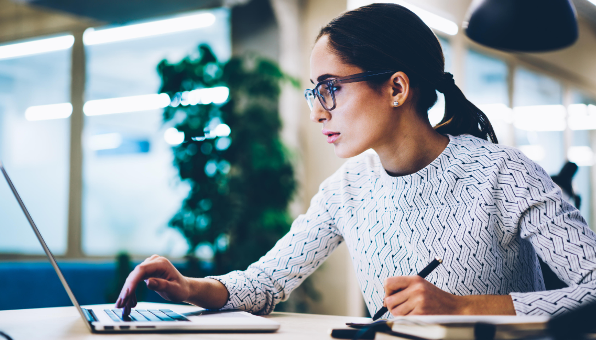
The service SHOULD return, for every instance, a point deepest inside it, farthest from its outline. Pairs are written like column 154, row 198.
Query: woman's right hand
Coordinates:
column 161, row 276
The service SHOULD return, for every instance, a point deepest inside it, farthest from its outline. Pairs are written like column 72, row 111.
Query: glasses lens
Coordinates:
column 326, row 96
column 310, row 98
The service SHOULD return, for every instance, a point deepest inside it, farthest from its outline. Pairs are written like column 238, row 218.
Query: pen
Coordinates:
column 423, row 274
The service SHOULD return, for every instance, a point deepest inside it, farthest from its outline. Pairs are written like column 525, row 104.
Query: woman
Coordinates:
column 446, row 191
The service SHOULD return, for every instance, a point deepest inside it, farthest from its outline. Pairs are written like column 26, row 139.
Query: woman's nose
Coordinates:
column 318, row 114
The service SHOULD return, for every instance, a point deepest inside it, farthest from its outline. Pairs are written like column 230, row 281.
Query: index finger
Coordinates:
column 148, row 268
column 396, row 283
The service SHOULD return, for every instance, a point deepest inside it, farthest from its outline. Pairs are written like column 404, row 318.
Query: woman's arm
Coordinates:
column 561, row 237
column 294, row 257
column 311, row 239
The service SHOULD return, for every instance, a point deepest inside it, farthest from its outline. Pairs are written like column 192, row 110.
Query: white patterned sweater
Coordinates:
column 485, row 209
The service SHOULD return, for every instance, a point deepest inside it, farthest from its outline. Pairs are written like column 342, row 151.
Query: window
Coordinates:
column 486, row 87
column 539, row 119
column 34, row 147
column 130, row 185
column 582, row 122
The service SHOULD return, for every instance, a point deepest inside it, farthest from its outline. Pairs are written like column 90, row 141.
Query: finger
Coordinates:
column 402, row 309
column 125, row 312
column 396, row 283
column 157, row 284
column 396, row 299
column 149, row 268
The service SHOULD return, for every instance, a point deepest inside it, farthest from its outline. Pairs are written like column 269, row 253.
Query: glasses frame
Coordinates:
column 333, row 81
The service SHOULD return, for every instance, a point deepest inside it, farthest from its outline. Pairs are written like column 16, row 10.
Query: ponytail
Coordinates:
column 461, row 116
column 391, row 37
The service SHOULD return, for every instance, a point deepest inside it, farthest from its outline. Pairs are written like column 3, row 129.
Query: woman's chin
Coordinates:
column 342, row 151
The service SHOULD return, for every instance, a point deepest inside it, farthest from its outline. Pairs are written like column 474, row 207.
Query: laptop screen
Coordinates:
column 14, row 231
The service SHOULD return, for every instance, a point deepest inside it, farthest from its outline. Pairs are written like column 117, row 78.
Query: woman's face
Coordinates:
column 363, row 118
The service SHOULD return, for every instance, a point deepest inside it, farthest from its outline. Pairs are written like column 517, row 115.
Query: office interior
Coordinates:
column 103, row 183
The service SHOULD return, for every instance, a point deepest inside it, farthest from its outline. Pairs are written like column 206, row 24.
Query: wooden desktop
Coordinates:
column 66, row 323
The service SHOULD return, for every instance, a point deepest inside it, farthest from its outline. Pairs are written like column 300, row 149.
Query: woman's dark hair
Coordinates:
column 390, row 37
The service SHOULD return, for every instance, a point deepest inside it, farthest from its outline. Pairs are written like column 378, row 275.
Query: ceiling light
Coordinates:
column 126, row 104
column 46, row 112
column 521, row 25
column 432, row 20
column 36, row 47
column 215, row 95
column 179, row 24
column 539, row 118
column 497, row 112
column 581, row 155
column 582, row 117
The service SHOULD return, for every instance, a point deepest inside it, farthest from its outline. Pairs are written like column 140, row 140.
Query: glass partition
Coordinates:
column 539, row 119
column 131, row 188
column 34, row 145
column 582, row 122
column 486, row 87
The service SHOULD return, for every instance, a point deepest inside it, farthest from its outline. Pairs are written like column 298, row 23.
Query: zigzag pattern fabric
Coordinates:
column 485, row 209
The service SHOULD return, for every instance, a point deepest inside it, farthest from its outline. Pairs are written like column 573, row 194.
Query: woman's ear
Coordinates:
column 400, row 88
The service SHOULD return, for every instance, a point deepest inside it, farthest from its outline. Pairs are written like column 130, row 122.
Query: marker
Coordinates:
column 423, row 274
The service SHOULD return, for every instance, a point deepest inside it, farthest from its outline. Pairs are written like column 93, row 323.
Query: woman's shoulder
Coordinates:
column 472, row 150
column 468, row 145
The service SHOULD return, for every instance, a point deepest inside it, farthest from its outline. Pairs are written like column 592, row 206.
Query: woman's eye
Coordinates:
column 336, row 88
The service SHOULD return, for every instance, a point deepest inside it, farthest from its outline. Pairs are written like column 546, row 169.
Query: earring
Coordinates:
column 395, row 103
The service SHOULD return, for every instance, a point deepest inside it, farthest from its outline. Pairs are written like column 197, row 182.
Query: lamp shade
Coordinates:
column 522, row 25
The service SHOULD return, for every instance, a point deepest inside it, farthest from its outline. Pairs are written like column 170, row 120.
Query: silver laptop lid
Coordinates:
column 44, row 246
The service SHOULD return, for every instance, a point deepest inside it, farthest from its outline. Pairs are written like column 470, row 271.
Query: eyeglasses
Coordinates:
column 325, row 90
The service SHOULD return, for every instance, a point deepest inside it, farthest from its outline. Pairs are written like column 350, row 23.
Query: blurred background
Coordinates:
column 98, row 139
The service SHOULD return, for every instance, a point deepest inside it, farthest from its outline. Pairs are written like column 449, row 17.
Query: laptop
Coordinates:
column 152, row 320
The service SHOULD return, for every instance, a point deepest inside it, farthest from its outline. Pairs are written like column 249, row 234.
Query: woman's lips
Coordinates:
column 332, row 136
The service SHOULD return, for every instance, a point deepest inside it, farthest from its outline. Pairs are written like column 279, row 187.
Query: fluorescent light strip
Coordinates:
column 581, row 155
column 540, row 118
column 582, row 117
column 47, row 112
column 36, row 47
column 108, row 35
column 126, row 104
column 215, row 95
column 432, row 20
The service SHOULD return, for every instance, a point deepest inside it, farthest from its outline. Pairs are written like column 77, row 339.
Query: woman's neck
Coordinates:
column 412, row 149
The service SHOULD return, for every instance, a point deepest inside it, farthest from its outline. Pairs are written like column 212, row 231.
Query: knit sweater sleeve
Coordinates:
column 561, row 238
column 270, row 280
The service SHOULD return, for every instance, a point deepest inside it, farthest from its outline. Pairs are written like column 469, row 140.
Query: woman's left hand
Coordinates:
column 413, row 295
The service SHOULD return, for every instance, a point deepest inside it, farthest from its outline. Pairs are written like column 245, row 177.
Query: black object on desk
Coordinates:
column 423, row 274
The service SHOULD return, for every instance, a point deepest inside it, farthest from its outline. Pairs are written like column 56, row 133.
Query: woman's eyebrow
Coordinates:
column 323, row 77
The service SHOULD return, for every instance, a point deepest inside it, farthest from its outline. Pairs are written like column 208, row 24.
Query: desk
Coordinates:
column 65, row 323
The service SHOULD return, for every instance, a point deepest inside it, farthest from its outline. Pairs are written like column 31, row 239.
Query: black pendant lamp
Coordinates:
column 522, row 25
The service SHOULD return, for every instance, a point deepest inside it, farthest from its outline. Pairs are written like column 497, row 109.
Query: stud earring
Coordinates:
column 395, row 103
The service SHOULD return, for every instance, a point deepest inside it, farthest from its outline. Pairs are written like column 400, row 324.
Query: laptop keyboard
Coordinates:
column 145, row 315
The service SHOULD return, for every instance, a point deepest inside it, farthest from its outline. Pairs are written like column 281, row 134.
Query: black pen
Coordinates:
column 423, row 274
